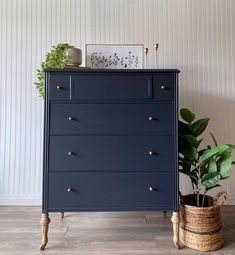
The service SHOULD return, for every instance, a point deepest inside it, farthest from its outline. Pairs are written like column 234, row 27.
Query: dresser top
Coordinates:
column 93, row 70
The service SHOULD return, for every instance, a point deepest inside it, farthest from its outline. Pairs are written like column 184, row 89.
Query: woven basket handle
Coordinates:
column 221, row 197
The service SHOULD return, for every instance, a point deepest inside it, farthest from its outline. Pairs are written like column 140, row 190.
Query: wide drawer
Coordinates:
column 111, row 87
column 111, row 153
column 111, row 191
column 65, row 87
column 132, row 119
column 100, row 87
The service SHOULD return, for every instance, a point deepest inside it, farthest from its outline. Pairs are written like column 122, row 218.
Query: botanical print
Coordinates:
column 114, row 56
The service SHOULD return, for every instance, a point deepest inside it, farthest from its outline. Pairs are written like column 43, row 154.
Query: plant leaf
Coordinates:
column 225, row 165
column 184, row 129
column 212, row 166
column 231, row 145
column 210, row 180
column 225, row 154
column 203, row 170
column 217, row 185
column 199, row 126
column 189, row 139
column 186, row 161
column 187, row 115
column 224, row 177
column 190, row 152
column 208, row 153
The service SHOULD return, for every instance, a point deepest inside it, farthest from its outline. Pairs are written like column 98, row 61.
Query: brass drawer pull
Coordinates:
column 59, row 87
column 70, row 153
column 70, row 189
column 151, row 118
column 71, row 118
column 151, row 189
column 163, row 87
column 152, row 153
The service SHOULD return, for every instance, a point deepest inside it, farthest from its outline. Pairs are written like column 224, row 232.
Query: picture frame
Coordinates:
column 115, row 56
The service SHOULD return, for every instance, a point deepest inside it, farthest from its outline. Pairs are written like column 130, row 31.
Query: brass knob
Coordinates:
column 70, row 189
column 151, row 153
column 70, row 153
column 71, row 118
column 163, row 87
column 58, row 87
column 151, row 118
column 151, row 189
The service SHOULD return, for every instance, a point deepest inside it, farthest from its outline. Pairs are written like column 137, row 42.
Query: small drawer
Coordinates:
column 111, row 191
column 163, row 87
column 111, row 153
column 116, row 87
column 59, row 88
column 111, row 119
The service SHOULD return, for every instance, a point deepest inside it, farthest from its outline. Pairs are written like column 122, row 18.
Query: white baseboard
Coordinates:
column 20, row 199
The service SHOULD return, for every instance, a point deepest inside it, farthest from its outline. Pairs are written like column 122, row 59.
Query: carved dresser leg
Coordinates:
column 175, row 221
column 45, row 220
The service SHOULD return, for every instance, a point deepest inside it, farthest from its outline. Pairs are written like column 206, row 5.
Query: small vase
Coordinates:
column 74, row 56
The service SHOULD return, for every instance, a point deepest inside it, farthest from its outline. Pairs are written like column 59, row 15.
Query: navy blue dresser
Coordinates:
column 110, row 142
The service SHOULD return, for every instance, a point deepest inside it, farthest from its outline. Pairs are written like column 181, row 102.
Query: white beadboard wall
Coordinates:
column 197, row 37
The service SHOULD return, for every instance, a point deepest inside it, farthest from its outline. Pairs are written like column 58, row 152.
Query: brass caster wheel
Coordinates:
column 62, row 215
column 42, row 247
column 164, row 213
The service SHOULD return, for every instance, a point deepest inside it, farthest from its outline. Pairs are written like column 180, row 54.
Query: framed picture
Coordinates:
column 115, row 56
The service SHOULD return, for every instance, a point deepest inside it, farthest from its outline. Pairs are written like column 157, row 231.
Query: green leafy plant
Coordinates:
column 56, row 58
column 206, row 167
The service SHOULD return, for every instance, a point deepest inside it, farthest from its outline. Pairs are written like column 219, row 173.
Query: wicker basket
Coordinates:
column 201, row 227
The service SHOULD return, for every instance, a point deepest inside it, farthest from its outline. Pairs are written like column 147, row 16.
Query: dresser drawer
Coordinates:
column 111, row 191
column 117, row 87
column 111, row 153
column 163, row 87
column 132, row 119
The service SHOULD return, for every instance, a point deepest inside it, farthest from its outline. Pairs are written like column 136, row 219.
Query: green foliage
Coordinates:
column 199, row 126
column 205, row 167
column 187, row 115
column 56, row 58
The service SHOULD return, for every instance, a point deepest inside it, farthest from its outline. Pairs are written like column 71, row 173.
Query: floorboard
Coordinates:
column 102, row 233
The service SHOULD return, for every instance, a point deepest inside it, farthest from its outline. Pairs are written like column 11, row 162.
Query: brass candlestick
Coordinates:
column 146, row 50
column 156, row 48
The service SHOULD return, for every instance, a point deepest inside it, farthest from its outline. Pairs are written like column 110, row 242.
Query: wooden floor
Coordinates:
column 123, row 233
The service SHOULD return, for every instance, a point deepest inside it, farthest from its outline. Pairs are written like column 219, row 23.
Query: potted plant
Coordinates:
column 200, row 226
column 56, row 58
